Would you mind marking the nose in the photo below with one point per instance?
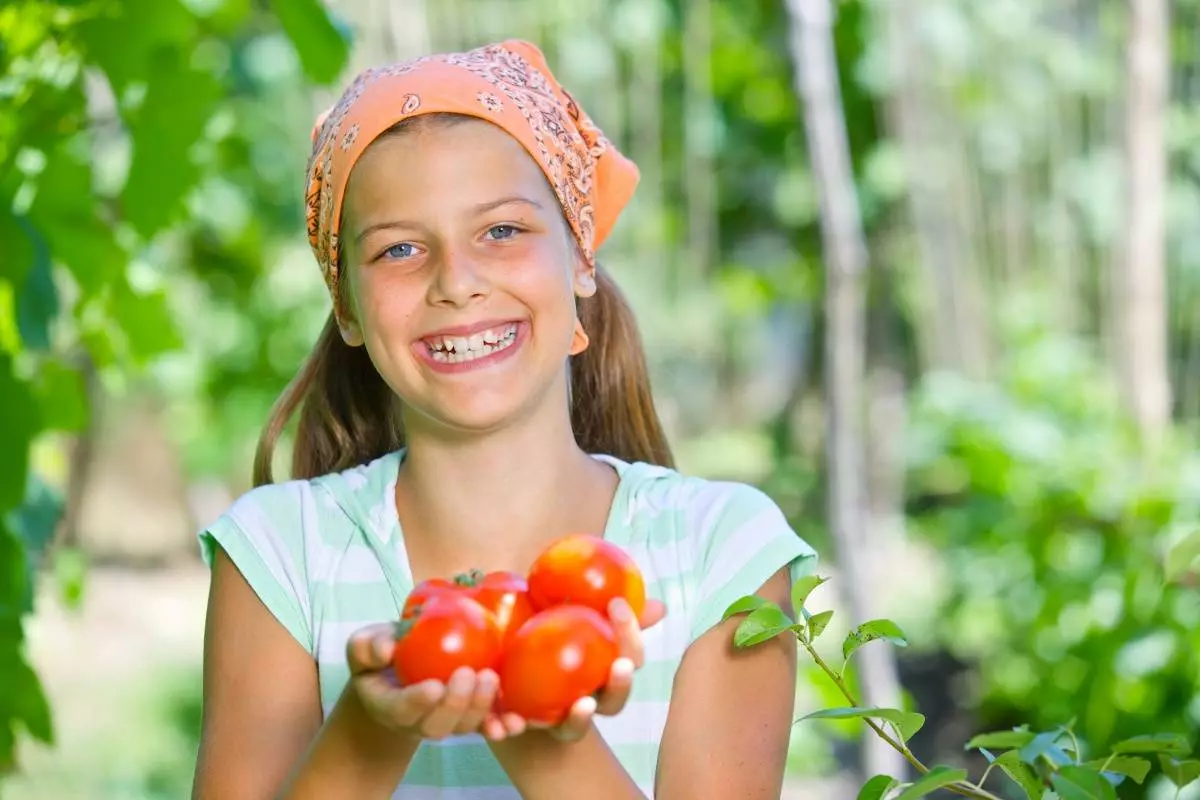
(458, 280)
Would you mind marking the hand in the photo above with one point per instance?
(429, 709)
(609, 700)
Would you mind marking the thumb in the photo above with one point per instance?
(370, 649)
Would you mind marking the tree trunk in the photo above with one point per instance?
(811, 42)
(1140, 287)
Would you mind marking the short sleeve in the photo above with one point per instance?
(263, 533)
(744, 539)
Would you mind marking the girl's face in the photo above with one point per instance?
(461, 275)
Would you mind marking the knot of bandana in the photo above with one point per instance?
(507, 84)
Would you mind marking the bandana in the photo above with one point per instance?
(507, 84)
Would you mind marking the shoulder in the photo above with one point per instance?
(703, 508)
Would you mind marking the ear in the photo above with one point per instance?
(584, 279)
(350, 330)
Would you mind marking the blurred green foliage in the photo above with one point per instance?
(117, 115)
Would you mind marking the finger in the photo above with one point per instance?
(629, 635)
(578, 720)
(514, 724)
(493, 728)
(616, 691)
(486, 684)
(652, 614)
(370, 648)
(396, 706)
(443, 719)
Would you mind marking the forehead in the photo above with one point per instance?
(463, 161)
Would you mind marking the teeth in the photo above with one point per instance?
(456, 349)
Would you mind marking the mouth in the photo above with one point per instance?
(481, 344)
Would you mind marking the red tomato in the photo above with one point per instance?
(588, 571)
(505, 594)
(560, 655)
(445, 632)
(423, 591)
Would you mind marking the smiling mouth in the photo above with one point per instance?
(457, 349)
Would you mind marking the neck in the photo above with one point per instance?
(495, 497)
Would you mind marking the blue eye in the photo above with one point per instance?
(501, 232)
(402, 250)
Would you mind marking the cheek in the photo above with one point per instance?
(383, 306)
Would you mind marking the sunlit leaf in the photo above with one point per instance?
(871, 631)
(762, 624)
(147, 321)
(878, 787)
(933, 780)
(323, 48)
(907, 723)
(125, 37)
(1131, 766)
(818, 623)
(1180, 773)
(1170, 743)
(19, 424)
(1080, 783)
(802, 588)
(1001, 740)
(1021, 774)
(61, 397)
(179, 100)
(742, 605)
(1181, 558)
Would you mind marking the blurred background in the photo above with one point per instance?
(927, 271)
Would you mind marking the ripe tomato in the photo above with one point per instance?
(560, 655)
(505, 594)
(445, 632)
(588, 571)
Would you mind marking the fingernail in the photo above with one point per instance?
(586, 706)
(623, 667)
(383, 649)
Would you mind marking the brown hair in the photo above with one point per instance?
(350, 416)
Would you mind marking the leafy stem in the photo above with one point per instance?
(963, 788)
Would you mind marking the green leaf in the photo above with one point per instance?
(1170, 743)
(1180, 773)
(1074, 782)
(742, 605)
(179, 100)
(933, 780)
(1001, 740)
(1044, 746)
(762, 624)
(323, 48)
(1182, 556)
(147, 321)
(907, 723)
(802, 588)
(878, 787)
(19, 424)
(1136, 768)
(61, 396)
(818, 623)
(70, 572)
(883, 629)
(1021, 774)
(37, 302)
(34, 523)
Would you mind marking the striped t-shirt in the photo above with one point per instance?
(327, 557)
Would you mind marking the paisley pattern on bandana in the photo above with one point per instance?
(507, 84)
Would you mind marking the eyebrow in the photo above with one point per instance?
(481, 208)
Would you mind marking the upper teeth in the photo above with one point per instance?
(476, 341)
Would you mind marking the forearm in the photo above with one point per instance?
(542, 768)
(352, 756)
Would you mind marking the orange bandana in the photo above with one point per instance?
(508, 84)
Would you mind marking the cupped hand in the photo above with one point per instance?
(429, 709)
(611, 698)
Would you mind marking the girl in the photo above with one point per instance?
(479, 391)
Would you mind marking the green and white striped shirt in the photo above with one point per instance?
(327, 557)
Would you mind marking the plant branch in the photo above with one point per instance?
(965, 789)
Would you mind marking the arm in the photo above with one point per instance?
(731, 714)
(544, 768)
(262, 710)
